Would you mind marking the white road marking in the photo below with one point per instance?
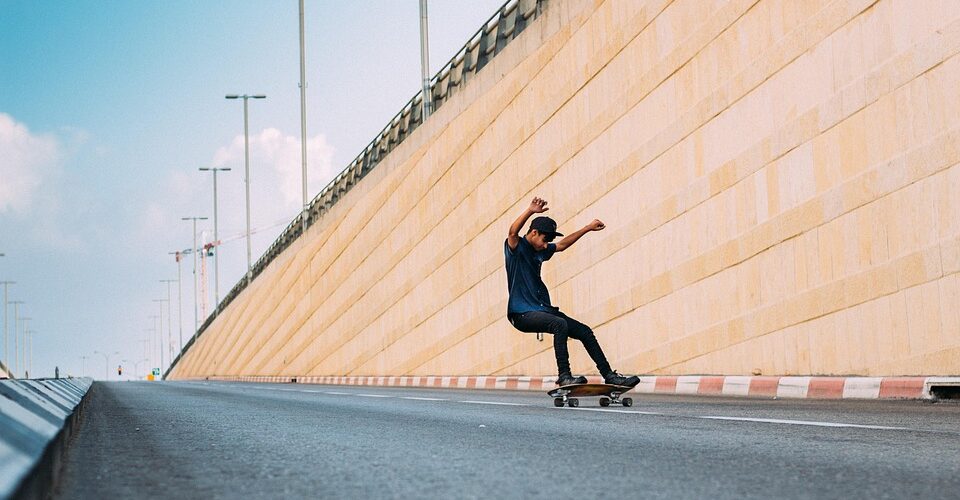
(604, 410)
(498, 403)
(608, 410)
(805, 422)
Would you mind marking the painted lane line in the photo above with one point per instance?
(806, 422)
(602, 410)
(423, 399)
(373, 395)
(498, 403)
(337, 393)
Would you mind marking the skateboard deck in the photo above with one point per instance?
(609, 394)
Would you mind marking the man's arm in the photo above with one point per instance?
(537, 206)
(570, 239)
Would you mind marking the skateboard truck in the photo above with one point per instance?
(609, 394)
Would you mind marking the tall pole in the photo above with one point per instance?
(161, 301)
(145, 343)
(156, 345)
(16, 322)
(179, 297)
(106, 361)
(216, 231)
(425, 62)
(169, 307)
(6, 355)
(23, 347)
(29, 338)
(303, 124)
(246, 170)
(196, 302)
(83, 365)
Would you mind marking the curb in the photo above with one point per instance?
(37, 418)
(705, 385)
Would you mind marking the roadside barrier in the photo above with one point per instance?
(704, 385)
(37, 417)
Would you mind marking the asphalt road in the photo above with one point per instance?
(226, 440)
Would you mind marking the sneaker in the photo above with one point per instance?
(568, 379)
(614, 378)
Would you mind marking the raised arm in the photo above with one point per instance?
(572, 238)
(537, 206)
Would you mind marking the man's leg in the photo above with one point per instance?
(536, 322)
(583, 333)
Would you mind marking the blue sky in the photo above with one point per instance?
(107, 109)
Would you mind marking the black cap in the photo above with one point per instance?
(545, 225)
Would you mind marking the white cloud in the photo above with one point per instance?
(26, 160)
(276, 165)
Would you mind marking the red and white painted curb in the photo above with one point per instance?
(748, 386)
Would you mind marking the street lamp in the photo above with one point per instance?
(161, 301)
(169, 307)
(6, 355)
(136, 367)
(106, 359)
(196, 320)
(303, 123)
(216, 238)
(246, 170)
(179, 295)
(23, 347)
(83, 365)
(427, 99)
(16, 323)
(28, 336)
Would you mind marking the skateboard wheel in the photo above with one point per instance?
(627, 401)
(604, 402)
(558, 402)
(573, 402)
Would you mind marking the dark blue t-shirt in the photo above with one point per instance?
(527, 291)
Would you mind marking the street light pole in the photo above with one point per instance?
(216, 236)
(196, 320)
(16, 323)
(6, 355)
(246, 169)
(427, 99)
(303, 124)
(136, 368)
(179, 297)
(28, 336)
(156, 344)
(23, 347)
(83, 365)
(161, 301)
(106, 360)
(169, 307)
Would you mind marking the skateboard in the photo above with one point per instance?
(609, 394)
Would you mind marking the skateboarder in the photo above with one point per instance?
(529, 308)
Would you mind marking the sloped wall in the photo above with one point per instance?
(779, 180)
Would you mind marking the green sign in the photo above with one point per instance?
(156, 372)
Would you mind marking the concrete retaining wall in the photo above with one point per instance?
(779, 181)
(36, 419)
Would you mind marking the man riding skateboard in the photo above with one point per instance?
(529, 308)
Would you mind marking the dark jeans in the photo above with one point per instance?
(561, 327)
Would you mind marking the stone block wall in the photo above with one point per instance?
(779, 180)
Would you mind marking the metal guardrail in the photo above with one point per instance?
(505, 25)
